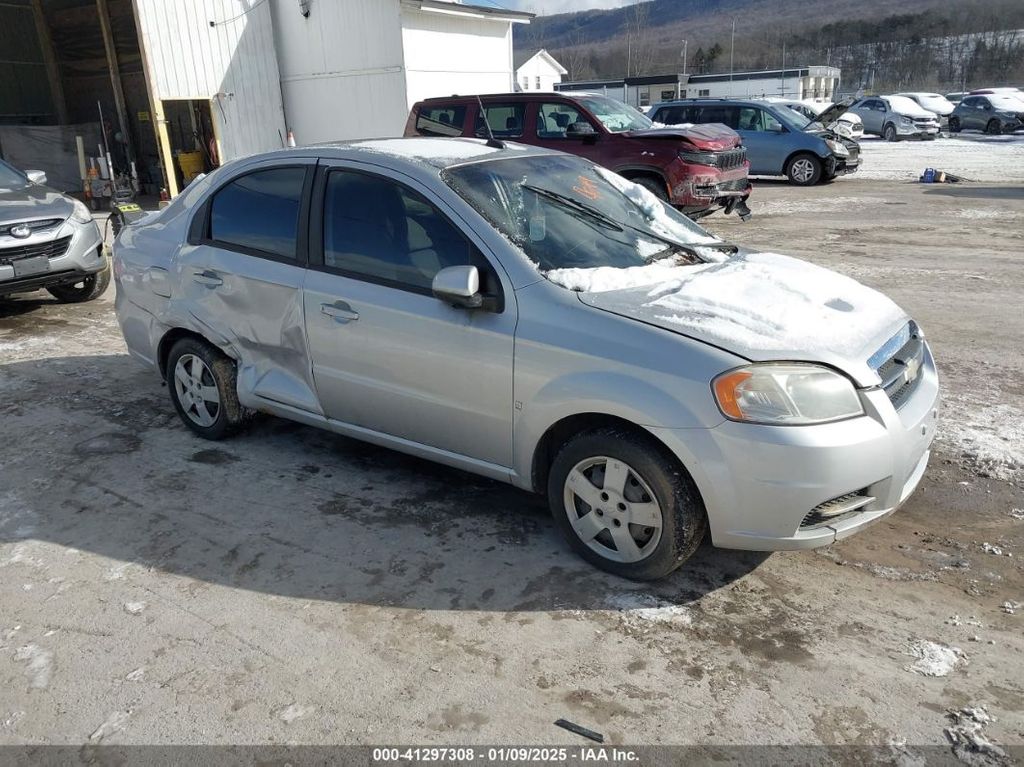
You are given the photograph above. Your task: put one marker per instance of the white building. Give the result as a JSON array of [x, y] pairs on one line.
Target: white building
[[187, 82], [818, 83], [537, 71]]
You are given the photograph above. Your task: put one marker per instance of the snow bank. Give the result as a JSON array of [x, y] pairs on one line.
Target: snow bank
[[973, 156], [442, 149], [637, 609]]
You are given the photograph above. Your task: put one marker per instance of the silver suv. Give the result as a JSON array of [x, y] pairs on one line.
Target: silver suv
[[47, 240], [526, 315]]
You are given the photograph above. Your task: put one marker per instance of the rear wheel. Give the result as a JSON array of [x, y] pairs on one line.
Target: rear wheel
[[954, 124], [88, 288], [804, 170], [203, 385], [889, 132], [994, 127], [624, 505]]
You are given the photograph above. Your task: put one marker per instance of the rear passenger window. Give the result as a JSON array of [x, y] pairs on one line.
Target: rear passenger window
[[506, 120], [720, 114], [673, 115], [441, 121], [259, 211], [385, 232]]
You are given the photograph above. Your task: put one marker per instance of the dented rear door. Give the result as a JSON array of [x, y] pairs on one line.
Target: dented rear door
[[239, 280]]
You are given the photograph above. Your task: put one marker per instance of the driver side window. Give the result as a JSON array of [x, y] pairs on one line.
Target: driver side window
[[554, 120], [382, 231]]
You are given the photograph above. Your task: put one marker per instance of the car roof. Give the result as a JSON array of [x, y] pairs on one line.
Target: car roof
[[472, 97], [423, 152], [744, 102]]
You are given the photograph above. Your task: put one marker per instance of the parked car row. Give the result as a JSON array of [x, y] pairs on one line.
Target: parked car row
[[921, 115], [778, 140]]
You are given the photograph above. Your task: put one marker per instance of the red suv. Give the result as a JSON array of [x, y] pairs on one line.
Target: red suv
[[699, 169]]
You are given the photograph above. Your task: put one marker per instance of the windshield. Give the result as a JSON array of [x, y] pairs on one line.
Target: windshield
[[614, 115], [11, 178], [903, 105], [792, 119], [564, 212]]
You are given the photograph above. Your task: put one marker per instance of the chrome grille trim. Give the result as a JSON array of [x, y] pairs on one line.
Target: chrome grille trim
[[34, 226], [900, 369]]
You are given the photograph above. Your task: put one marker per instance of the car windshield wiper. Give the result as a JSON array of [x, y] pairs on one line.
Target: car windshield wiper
[[577, 206]]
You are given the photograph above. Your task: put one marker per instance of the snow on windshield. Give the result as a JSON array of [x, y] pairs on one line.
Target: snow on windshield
[[903, 105], [770, 301], [443, 149], [1010, 103], [660, 220]]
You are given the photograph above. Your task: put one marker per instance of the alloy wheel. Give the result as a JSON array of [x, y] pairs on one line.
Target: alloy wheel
[[196, 390], [803, 170], [612, 509]]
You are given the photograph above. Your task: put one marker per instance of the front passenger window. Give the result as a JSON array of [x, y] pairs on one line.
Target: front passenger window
[[385, 232]]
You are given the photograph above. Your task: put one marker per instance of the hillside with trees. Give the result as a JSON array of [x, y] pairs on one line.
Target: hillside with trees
[[930, 44]]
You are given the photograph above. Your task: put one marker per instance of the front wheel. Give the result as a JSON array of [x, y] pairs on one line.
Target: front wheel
[[994, 127], [652, 185], [954, 124], [86, 289], [889, 132], [804, 170], [203, 385], [624, 505]]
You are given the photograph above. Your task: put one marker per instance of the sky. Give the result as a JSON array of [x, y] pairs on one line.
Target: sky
[[545, 7]]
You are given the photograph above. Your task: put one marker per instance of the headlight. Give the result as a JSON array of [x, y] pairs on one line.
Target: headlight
[[80, 213], [698, 158], [837, 148], [906, 121], [785, 393]]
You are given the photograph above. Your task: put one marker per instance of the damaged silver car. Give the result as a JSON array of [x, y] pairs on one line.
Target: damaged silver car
[[531, 317]]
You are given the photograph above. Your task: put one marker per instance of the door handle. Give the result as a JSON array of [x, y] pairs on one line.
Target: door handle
[[207, 277], [340, 311]]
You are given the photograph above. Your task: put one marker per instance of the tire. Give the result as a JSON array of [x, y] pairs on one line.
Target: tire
[[196, 370], [954, 124], [655, 489], [652, 185], [87, 289], [994, 127], [804, 169], [889, 132]]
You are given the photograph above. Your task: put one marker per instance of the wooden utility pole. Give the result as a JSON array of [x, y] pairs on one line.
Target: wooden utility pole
[[115, 74], [60, 105]]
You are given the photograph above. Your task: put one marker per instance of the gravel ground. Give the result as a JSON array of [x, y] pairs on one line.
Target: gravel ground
[[292, 586]]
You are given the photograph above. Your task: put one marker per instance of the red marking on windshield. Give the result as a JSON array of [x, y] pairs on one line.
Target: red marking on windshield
[[586, 188]]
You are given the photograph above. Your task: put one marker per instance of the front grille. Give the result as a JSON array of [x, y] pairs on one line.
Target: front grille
[[900, 372], [837, 508], [33, 226], [731, 158], [50, 249]]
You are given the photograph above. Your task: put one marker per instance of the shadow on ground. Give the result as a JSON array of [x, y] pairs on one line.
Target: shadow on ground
[[99, 463], [980, 192]]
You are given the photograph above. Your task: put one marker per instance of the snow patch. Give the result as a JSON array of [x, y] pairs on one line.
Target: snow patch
[[601, 279], [113, 724], [966, 736], [292, 711], [661, 220], [441, 149], [636, 609], [39, 665], [934, 659], [134, 608]]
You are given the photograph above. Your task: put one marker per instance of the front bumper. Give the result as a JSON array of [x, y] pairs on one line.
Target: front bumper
[[760, 484], [82, 257], [918, 131]]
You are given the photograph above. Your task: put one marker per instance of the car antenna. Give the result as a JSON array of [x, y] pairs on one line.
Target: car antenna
[[491, 141]]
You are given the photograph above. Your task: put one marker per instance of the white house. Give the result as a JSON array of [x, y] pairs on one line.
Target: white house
[[537, 71], [188, 84]]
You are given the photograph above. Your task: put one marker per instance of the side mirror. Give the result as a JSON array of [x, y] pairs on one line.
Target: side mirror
[[580, 130], [459, 286], [36, 176]]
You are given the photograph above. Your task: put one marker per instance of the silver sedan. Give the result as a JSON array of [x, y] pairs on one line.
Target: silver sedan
[[47, 240], [531, 317]]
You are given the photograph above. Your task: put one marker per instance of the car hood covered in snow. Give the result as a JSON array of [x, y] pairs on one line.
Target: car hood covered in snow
[[761, 306]]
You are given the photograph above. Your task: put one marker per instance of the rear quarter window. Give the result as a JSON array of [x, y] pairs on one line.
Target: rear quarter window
[[441, 120], [259, 212]]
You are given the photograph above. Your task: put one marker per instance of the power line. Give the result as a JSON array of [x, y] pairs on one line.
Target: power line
[[236, 18]]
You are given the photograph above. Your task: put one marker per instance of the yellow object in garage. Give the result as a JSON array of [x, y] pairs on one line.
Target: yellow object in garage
[[191, 164]]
